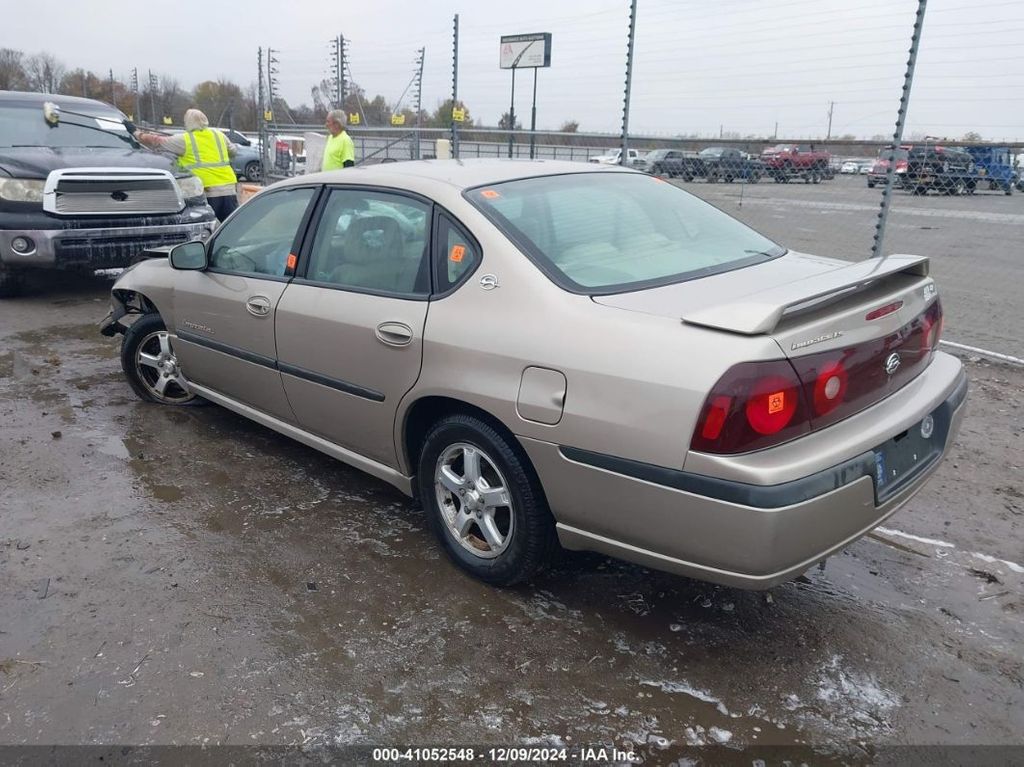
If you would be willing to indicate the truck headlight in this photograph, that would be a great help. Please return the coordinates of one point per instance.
(191, 186)
(21, 189)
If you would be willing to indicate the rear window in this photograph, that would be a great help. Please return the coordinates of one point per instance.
(612, 232)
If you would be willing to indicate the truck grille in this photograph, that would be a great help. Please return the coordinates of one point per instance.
(111, 192)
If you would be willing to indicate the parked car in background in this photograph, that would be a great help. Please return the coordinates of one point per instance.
(728, 164)
(78, 192)
(850, 166)
(674, 163)
(880, 168)
(631, 348)
(864, 166)
(613, 157)
(787, 161)
(246, 163)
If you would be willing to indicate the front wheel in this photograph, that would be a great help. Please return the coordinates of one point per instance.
(252, 170)
(483, 501)
(150, 364)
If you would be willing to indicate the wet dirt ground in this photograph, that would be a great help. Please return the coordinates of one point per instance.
(183, 576)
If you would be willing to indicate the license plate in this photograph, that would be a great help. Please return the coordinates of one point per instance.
(902, 458)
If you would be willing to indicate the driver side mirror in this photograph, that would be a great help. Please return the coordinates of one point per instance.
(189, 255)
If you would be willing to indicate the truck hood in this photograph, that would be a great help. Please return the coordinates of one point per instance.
(37, 162)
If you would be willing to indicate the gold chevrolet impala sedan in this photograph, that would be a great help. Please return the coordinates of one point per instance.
(547, 353)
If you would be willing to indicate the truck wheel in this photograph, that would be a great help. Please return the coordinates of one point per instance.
(484, 502)
(252, 171)
(871, 184)
(815, 177)
(12, 281)
(151, 366)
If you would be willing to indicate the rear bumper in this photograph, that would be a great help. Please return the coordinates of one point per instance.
(726, 531)
(100, 248)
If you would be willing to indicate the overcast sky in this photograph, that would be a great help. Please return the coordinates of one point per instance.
(733, 65)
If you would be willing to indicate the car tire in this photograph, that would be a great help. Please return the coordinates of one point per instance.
(503, 541)
(12, 282)
(871, 184)
(252, 170)
(149, 363)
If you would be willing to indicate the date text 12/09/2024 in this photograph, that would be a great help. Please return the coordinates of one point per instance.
(596, 754)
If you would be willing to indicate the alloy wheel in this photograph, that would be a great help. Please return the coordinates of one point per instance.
(158, 370)
(474, 500)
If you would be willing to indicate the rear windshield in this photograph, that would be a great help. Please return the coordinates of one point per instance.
(25, 126)
(612, 232)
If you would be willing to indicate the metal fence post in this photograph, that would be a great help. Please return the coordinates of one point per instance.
(455, 89)
(897, 136)
(629, 83)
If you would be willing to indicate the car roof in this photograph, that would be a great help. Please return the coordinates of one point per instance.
(460, 174)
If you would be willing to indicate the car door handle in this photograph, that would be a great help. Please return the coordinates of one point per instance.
(258, 306)
(394, 333)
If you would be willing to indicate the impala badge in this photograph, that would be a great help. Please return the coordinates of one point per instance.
(892, 363)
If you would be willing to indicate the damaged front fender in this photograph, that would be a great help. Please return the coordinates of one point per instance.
(145, 287)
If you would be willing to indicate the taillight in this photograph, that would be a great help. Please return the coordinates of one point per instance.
(754, 405)
(829, 387)
(931, 327)
(762, 404)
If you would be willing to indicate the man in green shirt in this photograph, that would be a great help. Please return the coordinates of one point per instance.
(339, 151)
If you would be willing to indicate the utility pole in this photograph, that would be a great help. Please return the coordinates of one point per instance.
(271, 80)
(623, 160)
(897, 136)
(261, 113)
(112, 97)
(776, 134)
(152, 96)
(831, 106)
(455, 86)
(137, 114)
(419, 98)
(338, 56)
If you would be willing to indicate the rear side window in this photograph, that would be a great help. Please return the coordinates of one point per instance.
(457, 256)
(601, 233)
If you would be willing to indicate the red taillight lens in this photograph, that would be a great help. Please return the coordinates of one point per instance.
(772, 404)
(754, 405)
(901, 165)
(931, 327)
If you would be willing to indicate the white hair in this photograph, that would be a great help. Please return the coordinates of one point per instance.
(196, 120)
(338, 116)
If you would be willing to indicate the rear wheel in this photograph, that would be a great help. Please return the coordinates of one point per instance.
(252, 170)
(150, 364)
(483, 501)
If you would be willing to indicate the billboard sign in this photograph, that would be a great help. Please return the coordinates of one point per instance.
(525, 51)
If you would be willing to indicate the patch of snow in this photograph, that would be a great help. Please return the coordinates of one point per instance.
(993, 561)
(719, 735)
(918, 538)
(685, 689)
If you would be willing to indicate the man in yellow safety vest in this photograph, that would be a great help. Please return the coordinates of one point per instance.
(339, 152)
(207, 153)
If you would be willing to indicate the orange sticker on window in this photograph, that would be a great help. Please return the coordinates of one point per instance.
(292, 261)
(457, 254)
(490, 194)
(776, 402)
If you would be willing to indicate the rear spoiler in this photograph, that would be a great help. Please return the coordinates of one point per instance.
(760, 313)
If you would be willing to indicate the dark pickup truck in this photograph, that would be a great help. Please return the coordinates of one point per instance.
(77, 192)
(943, 169)
(674, 163)
(728, 164)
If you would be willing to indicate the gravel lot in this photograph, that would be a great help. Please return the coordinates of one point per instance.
(187, 577)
